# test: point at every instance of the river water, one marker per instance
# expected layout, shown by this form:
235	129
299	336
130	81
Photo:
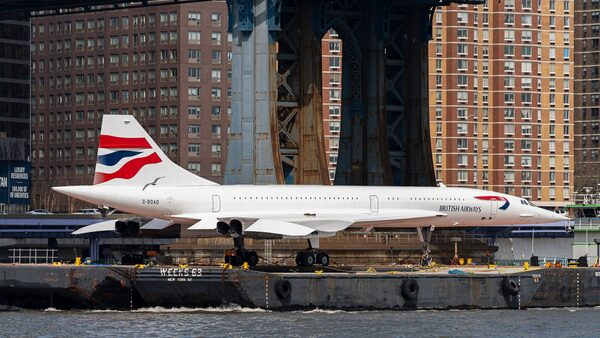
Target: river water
242	322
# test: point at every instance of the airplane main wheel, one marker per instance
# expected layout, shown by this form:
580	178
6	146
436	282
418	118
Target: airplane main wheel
252	258
309	259
233	260
300	259
323	259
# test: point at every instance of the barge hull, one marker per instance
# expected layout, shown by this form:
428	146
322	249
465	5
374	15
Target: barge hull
101	287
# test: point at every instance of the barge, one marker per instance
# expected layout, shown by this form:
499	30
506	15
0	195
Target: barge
281	288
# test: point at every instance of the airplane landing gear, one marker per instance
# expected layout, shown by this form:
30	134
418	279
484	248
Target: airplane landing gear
239	255
425	237
312	255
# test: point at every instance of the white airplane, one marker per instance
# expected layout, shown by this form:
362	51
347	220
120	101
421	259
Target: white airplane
135	176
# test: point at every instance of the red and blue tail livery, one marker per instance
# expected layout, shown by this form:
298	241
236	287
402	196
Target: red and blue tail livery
122	157
495	198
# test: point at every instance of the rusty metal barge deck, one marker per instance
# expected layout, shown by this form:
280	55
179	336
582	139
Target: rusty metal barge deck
392	288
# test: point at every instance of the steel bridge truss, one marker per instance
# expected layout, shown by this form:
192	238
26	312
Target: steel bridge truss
277	120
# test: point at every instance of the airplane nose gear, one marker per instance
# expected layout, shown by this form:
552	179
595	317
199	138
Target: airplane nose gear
425	237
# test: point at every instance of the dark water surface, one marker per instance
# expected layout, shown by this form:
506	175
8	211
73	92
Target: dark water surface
241	322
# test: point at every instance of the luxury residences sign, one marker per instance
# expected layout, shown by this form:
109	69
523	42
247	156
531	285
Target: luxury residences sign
14	182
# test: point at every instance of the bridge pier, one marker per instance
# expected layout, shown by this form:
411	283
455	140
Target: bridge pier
277	121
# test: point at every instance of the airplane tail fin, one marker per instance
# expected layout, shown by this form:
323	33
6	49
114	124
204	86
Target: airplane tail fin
127	155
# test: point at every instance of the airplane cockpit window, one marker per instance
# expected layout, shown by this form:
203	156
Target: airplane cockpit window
526	202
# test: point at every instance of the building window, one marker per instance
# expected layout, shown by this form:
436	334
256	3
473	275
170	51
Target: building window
194	16
216	112
194	73
194	149
215	75
194	54
194	130
334	46
215	93
216	56
334	126
334	94
215	38
194	167
216	130
335	79
215	19
334	111
194	37
216	150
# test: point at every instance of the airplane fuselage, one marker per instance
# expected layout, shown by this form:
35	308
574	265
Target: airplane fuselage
459	206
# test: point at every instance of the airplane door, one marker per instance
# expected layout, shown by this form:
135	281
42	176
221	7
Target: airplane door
216	203
494	209
374	203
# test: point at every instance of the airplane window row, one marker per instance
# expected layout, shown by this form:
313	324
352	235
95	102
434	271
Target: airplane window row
292	198
432	199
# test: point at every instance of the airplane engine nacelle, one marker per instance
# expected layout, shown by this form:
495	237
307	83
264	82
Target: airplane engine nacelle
223	228
234	227
127	228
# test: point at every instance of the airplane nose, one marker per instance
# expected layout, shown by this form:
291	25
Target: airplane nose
555	217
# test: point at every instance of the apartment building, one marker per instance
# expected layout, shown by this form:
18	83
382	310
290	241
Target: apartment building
501	82
587	96
331	46
169	66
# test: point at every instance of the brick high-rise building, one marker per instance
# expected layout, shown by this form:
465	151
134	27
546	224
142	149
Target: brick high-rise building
169	66
587	96
331	46
501	98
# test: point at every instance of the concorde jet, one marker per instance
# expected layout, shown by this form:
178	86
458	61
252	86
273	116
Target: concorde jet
135	176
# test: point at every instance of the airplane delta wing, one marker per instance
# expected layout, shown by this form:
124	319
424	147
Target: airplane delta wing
157	224
96	227
277	227
292	224
126	227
